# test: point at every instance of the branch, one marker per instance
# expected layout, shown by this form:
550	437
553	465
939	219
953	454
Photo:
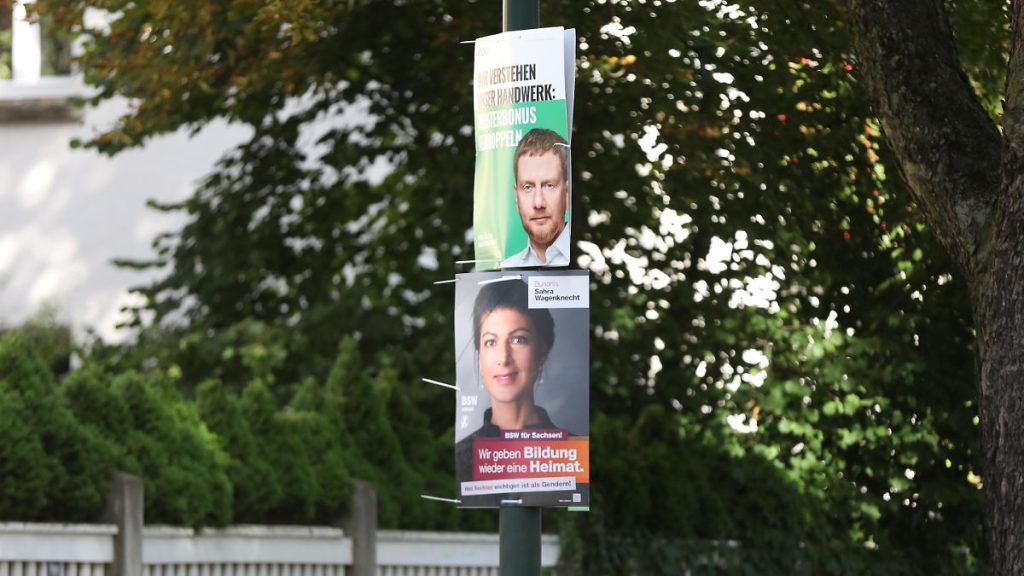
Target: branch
947	147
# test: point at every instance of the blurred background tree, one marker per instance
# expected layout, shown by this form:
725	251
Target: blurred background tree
782	354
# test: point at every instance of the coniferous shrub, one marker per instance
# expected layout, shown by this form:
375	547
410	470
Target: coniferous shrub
24	466
338	460
78	461
257	487
283	445
222	457
184	469
95	403
351	393
409	455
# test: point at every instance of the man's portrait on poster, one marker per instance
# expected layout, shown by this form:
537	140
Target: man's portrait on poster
541	189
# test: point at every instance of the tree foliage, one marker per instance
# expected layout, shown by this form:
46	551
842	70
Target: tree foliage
782	352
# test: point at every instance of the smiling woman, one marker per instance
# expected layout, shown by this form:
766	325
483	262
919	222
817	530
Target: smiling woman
512	343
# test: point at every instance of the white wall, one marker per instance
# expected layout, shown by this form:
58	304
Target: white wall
65	214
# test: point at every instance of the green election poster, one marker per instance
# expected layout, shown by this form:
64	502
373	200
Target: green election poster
523	85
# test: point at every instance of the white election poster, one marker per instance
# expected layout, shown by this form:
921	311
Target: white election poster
523	86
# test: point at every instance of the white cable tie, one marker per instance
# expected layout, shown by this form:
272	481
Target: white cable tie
452	281
468	42
429	381
502	279
424	496
475	261
520	501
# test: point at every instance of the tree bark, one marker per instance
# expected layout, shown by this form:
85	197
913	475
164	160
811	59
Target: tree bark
968	181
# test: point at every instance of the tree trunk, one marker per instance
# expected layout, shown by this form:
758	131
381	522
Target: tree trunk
969	183
1000	329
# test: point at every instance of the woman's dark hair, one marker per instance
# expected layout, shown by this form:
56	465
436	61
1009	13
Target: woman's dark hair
512	294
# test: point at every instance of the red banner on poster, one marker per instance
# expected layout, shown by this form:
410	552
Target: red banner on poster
498	459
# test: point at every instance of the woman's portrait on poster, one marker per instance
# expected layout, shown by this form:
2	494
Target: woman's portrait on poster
520	368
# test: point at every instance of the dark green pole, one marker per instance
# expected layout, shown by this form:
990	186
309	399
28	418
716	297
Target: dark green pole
519	530
519	14
519	541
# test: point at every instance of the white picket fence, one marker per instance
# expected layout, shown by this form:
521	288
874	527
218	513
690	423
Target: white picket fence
87	550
